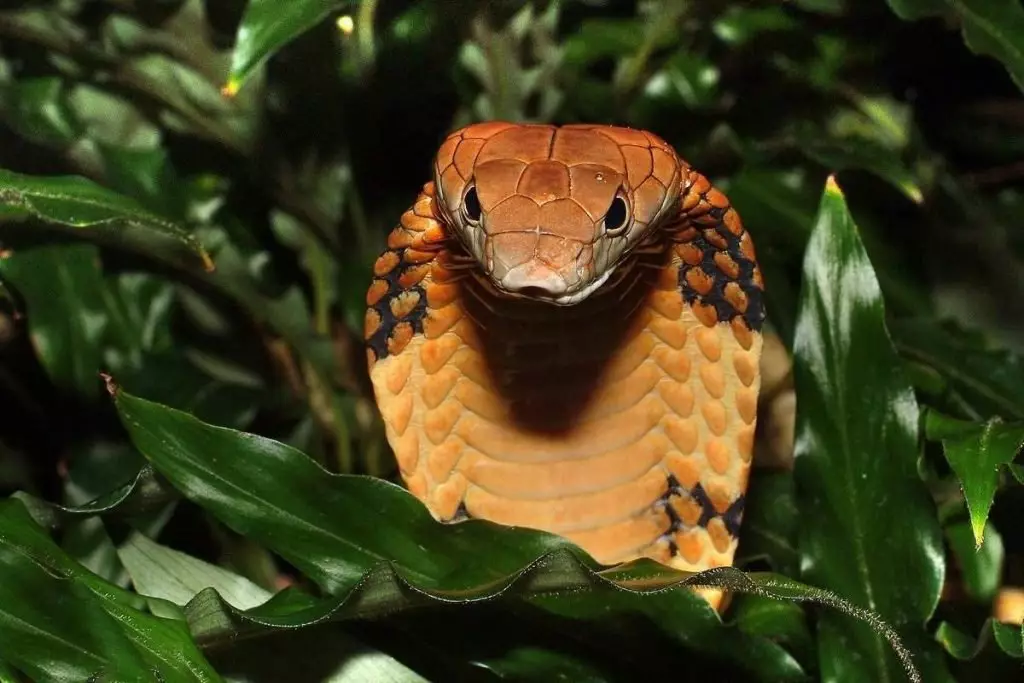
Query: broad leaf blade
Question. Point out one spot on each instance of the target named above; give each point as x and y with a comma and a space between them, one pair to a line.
58, 621
267, 26
376, 549
82, 208
867, 520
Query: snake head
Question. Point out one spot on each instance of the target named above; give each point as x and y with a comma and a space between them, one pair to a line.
549, 212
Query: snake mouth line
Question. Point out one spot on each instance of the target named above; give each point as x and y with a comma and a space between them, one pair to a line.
569, 298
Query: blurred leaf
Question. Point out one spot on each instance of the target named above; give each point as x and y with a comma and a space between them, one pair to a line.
64, 293
783, 622
982, 567
58, 621
536, 664
987, 381
976, 451
866, 518
740, 24
376, 548
38, 109
1007, 637
823, 6
687, 77
770, 522
861, 154
990, 27
266, 27
324, 654
600, 38
89, 211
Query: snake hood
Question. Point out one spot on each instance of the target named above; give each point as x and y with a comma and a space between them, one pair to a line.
549, 212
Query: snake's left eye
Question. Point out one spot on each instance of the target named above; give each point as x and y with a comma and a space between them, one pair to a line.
471, 205
617, 218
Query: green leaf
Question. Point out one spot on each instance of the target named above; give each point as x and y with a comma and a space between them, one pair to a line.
982, 381
376, 549
266, 27
976, 451
63, 290
1006, 637
770, 522
145, 493
864, 154
867, 521
990, 27
82, 208
981, 567
784, 622
58, 621
161, 572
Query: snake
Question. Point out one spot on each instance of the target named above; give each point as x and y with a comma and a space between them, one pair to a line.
563, 333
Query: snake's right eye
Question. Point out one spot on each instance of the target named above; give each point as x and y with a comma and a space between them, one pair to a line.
471, 206
617, 218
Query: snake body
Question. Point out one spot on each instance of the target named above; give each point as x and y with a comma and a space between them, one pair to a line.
564, 334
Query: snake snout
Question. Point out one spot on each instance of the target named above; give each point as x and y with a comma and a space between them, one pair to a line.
534, 279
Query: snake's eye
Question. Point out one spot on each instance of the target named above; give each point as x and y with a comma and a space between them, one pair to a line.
617, 218
471, 205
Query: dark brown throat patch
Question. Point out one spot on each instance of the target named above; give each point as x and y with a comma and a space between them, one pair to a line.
546, 361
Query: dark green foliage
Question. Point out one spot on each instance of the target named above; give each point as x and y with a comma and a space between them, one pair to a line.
192, 193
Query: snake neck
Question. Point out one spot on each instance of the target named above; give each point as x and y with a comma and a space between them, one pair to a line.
547, 363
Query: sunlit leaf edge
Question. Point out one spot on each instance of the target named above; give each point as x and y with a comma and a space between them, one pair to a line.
21, 192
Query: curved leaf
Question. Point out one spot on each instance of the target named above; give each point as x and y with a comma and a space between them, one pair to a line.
376, 549
59, 622
160, 572
976, 451
866, 518
990, 27
980, 380
267, 26
82, 208
145, 493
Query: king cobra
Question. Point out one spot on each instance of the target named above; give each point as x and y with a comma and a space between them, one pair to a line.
564, 334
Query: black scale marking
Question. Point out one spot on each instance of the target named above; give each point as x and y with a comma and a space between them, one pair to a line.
754, 315
378, 341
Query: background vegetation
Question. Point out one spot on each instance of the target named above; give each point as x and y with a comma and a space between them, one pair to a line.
193, 193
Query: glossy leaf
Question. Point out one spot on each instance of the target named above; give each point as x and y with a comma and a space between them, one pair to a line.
990, 27
976, 452
89, 211
58, 621
266, 27
375, 548
866, 519
145, 493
